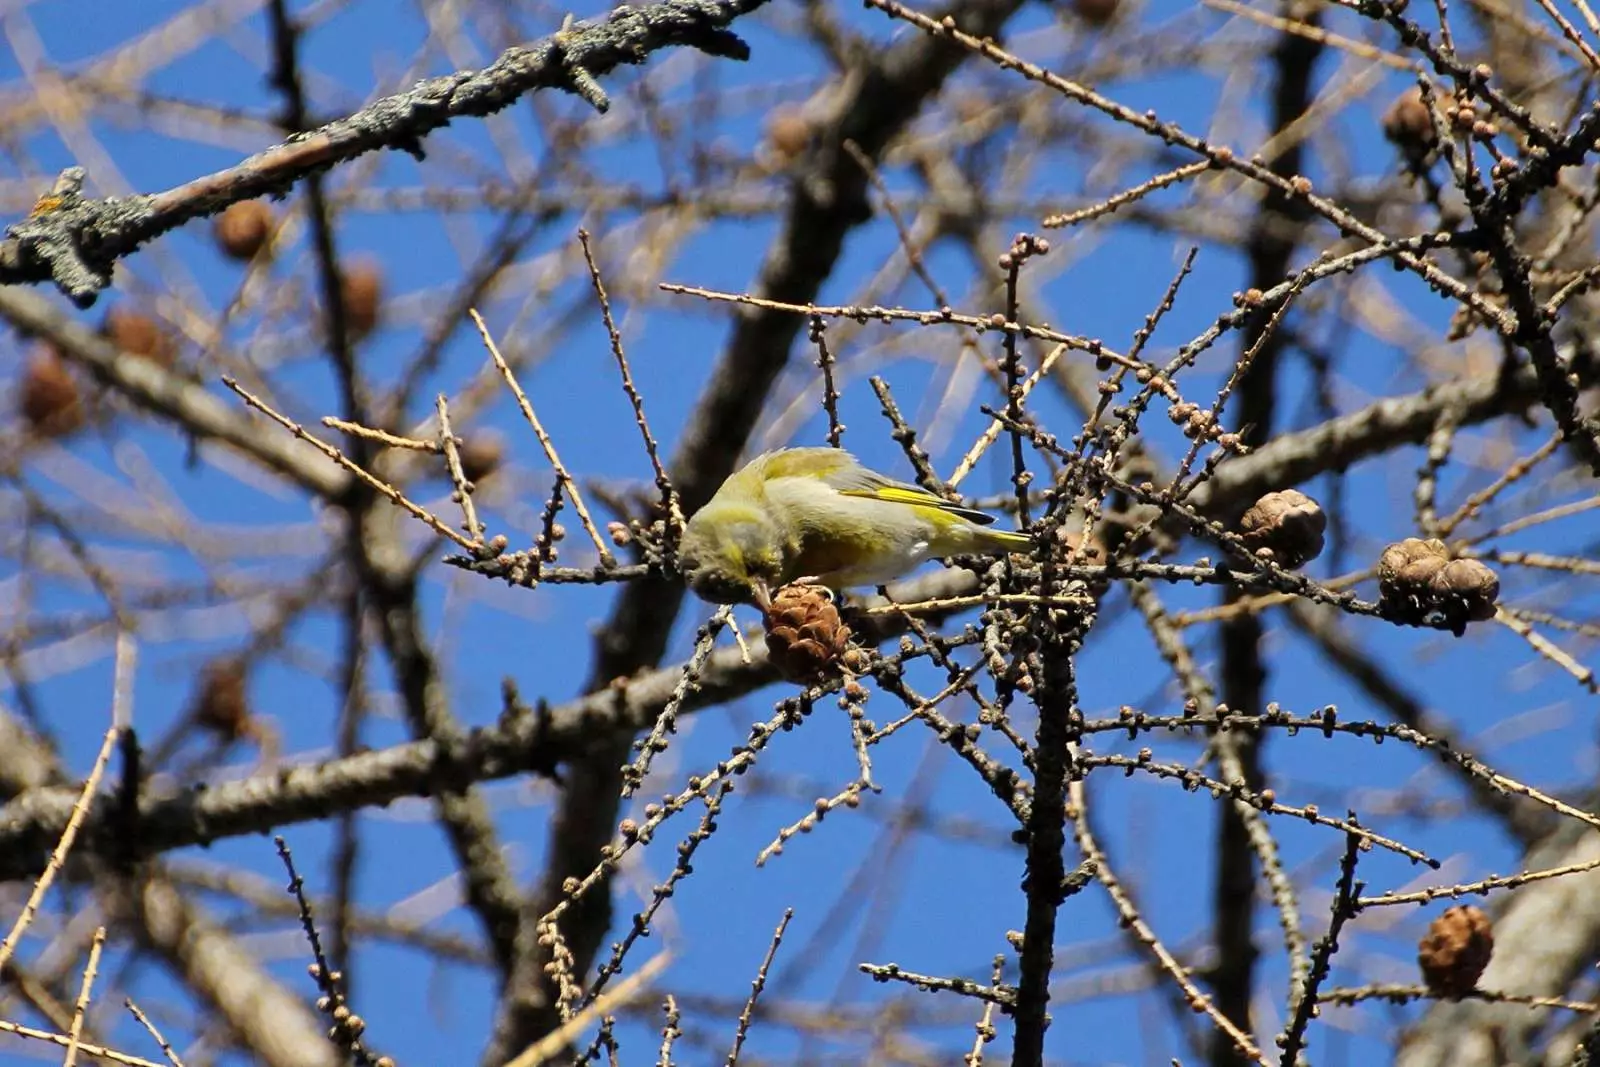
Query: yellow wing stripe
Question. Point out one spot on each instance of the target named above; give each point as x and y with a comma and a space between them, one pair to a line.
896, 494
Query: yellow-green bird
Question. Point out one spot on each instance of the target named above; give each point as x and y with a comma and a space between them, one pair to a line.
816, 514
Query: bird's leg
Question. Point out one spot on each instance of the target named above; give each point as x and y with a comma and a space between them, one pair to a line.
816, 580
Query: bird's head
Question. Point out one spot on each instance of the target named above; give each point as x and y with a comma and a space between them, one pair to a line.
731, 555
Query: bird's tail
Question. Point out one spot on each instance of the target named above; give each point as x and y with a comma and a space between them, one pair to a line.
1001, 542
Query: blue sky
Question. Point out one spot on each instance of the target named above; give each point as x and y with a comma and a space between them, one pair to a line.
943, 903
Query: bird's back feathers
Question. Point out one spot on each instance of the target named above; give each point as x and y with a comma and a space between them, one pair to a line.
835, 520
842, 472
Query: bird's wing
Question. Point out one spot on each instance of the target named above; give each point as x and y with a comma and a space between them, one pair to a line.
814, 463
856, 480
843, 473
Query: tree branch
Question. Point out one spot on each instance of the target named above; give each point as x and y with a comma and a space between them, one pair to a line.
74, 241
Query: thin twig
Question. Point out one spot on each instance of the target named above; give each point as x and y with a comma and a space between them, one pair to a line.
458, 476
1197, 998
830, 390
1293, 1038
394, 495
1548, 649
985, 1025
669, 494
670, 1031
382, 437
756, 986
347, 1028
550, 1046
121, 713
568, 486
666, 723
943, 316
144, 1021
848, 797
906, 437
81, 1007
99, 1052
1126, 197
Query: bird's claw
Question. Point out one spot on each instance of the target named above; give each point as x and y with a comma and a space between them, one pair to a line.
816, 580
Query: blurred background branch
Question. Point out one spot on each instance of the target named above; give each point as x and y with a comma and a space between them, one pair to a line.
1268, 323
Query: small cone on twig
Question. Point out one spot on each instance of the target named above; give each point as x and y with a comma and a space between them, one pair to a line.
221, 707
1097, 13
481, 456
1418, 582
243, 229
138, 334
788, 133
363, 298
1407, 123
221, 701
1455, 951
1285, 527
805, 635
48, 397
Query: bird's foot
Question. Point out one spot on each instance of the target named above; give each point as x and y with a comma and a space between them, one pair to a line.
816, 580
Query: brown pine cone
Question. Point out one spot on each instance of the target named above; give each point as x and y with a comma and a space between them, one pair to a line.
1097, 13
788, 133
481, 456
1455, 951
805, 635
243, 229
363, 298
1285, 527
1407, 123
1418, 580
1407, 568
140, 335
48, 397
221, 703
1472, 582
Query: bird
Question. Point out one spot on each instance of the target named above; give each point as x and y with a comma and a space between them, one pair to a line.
817, 516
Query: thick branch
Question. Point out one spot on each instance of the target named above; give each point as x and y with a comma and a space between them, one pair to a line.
1292, 459
33, 821
1244, 669
172, 398
278, 1028
74, 241
881, 97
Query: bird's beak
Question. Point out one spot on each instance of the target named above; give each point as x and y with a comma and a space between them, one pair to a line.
763, 595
